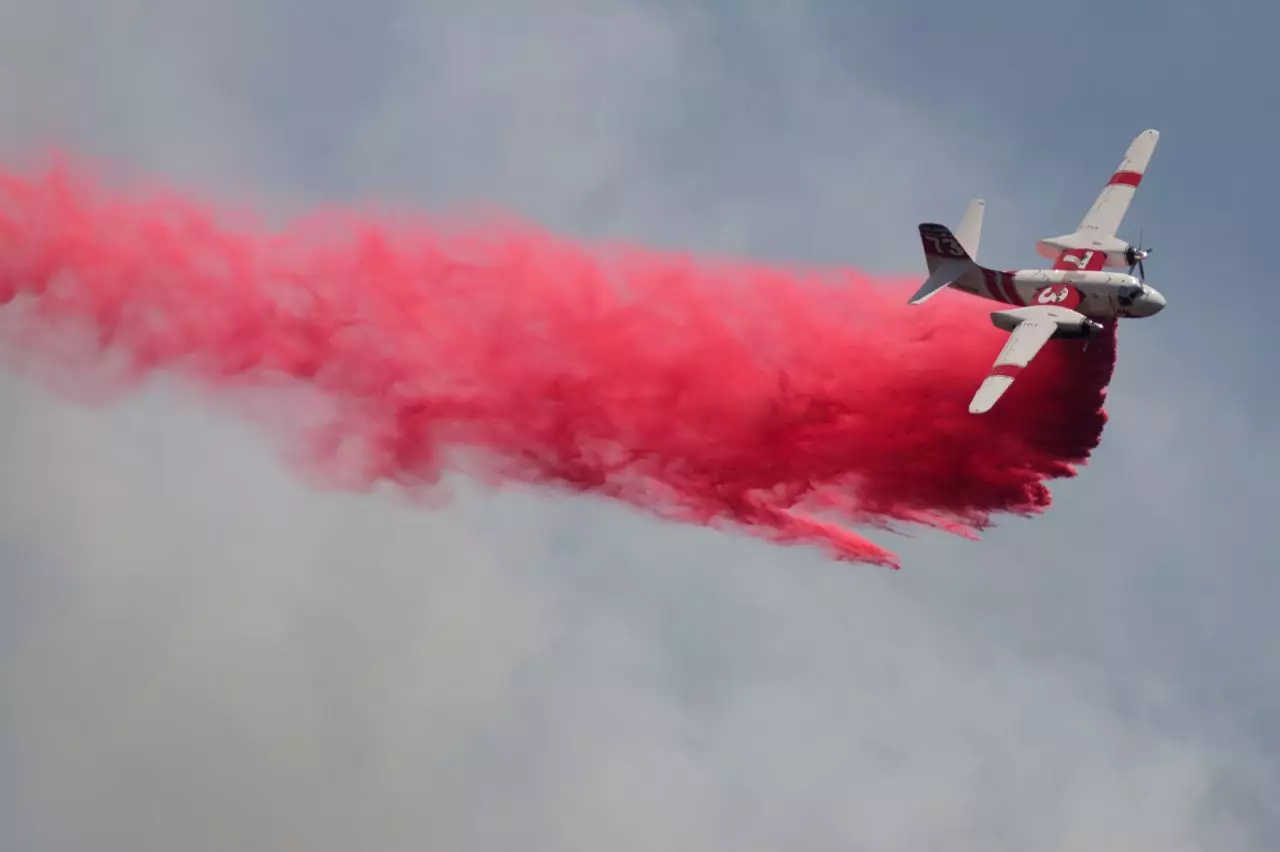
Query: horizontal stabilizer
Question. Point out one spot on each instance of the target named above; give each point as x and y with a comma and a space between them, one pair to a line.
945, 274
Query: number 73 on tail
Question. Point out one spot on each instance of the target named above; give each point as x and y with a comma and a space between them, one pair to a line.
1073, 300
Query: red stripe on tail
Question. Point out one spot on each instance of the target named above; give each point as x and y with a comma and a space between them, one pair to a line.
1010, 370
1000, 287
1010, 291
993, 285
1125, 179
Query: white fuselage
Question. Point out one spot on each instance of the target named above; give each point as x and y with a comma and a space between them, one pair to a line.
1095, 294
1102, 294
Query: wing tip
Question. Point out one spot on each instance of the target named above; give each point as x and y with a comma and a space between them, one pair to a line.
1144, 145
989, 393
918, 299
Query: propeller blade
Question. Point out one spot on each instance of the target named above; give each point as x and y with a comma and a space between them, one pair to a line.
1139, 254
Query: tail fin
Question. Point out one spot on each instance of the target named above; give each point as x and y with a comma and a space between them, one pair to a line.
945, 254
969, 233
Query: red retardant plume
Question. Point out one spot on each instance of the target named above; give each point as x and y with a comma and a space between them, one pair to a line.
705, 392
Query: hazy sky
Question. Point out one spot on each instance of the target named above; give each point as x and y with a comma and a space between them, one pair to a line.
199, 653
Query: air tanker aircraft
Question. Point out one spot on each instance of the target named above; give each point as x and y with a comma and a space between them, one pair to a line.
1070, 301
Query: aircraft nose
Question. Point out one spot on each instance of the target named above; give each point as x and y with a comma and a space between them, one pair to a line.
1154, 301
1150, 302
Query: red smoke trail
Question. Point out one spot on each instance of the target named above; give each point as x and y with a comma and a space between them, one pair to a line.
704, 392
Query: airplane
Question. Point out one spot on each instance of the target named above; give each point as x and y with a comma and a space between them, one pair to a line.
1072, 300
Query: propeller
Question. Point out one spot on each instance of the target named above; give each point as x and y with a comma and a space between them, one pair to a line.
1135, 255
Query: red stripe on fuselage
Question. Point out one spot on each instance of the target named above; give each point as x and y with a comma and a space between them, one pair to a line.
1125, 179
1010, 291
992, 280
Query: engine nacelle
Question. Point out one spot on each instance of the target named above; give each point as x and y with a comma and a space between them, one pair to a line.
1083, 251
1071, 324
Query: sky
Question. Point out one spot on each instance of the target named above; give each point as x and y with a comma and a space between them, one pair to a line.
199, 651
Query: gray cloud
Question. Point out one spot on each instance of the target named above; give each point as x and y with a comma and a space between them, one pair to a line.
200, 652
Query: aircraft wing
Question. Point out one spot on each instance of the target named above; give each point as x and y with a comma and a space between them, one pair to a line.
1104, 218
1026, 339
